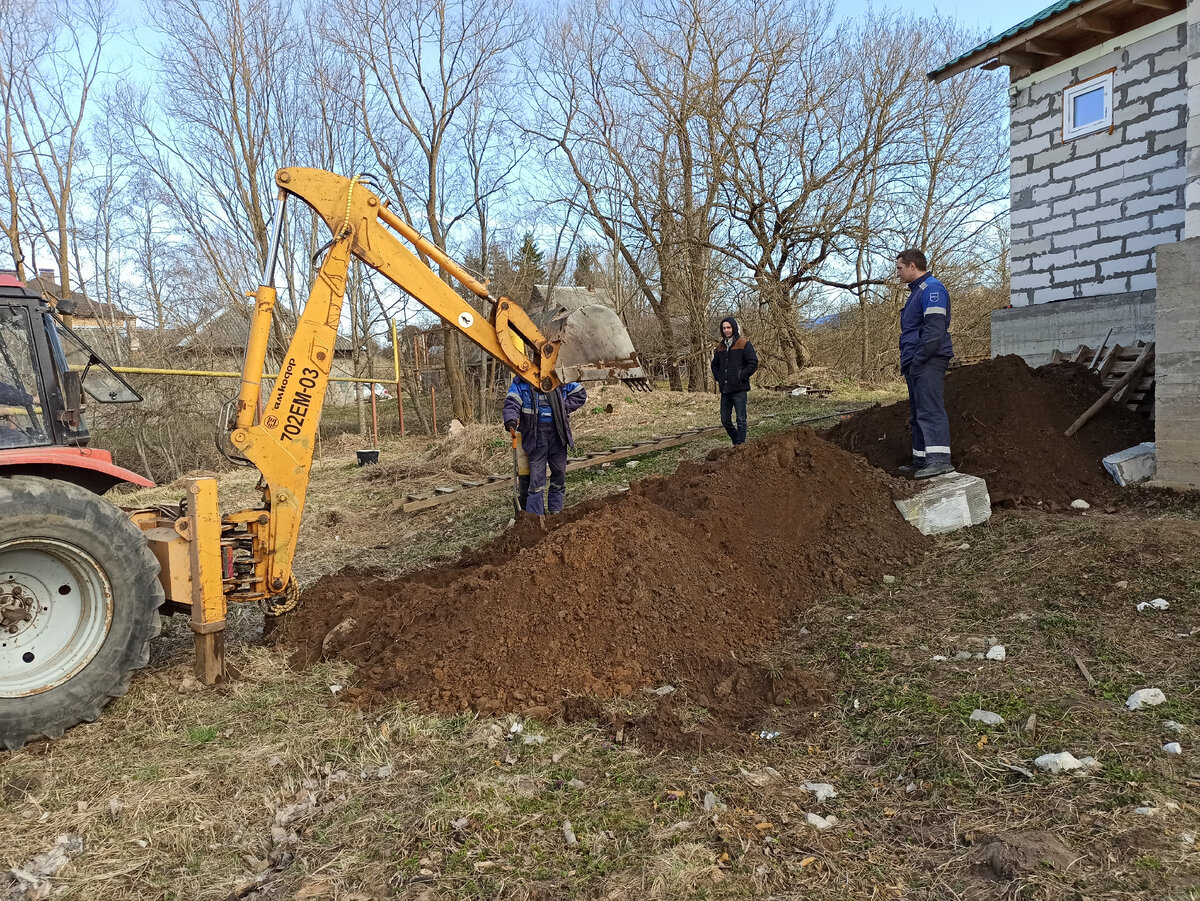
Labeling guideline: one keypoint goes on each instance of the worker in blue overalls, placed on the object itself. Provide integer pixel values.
(925, 352)
(544, 423)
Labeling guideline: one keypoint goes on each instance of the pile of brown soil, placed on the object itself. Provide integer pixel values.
(671, 581)
(1006, 426)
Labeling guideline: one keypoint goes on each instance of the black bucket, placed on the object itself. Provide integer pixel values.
(367, 457)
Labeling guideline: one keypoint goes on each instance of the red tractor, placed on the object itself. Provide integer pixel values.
(79, 589)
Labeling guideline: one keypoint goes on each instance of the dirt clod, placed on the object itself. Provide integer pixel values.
(1006, 426)
(682, 579)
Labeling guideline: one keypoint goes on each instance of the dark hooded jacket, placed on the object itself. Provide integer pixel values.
(732, 366)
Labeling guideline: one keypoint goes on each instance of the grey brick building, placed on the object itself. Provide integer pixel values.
(1105, 182)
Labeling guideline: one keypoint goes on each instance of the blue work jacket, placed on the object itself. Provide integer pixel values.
(925, 323)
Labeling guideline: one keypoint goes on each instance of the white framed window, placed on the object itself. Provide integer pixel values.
(1088, 106)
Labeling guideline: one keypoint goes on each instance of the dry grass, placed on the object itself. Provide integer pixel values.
(269, 784)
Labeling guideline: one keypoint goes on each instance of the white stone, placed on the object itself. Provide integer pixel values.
(997, 652)
(632, 464)
(987, 717)
(888, 580)
(947, 503)
(1145, 811)
(1146, 697)
(823, 790)
(938, 658)
(1063, 762)
(820, 822)
(1156, 604)
(1172, 726)
(1173, 747)
(1133, 465)
(1080, 504)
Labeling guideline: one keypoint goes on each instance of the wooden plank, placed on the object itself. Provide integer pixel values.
(1146, 358)
(1080, 352)
(1110, 360)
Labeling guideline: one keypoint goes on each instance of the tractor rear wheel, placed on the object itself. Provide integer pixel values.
(79, 599)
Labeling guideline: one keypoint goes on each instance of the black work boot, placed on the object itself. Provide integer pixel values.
(929, 470)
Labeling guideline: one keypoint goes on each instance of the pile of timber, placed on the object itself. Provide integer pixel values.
(1113, 364)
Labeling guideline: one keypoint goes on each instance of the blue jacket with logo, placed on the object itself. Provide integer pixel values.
(925, 323)
(525, 408)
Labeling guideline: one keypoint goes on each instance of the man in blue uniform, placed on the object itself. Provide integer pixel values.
(545, 426)
(925, 352)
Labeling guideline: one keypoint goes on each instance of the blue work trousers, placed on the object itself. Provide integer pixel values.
(730, 404)
(927, 412)
(549, 453)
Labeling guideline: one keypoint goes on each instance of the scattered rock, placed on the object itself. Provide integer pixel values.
(987, 717)
(456, 428)
(821, 823)
(664, 690)
(577, 784)
(963, 655)
(1145, 811)
(1019, 770)
(1122, 585)
(1063, 762)
(1187, 838)
(1172, 726)
(1146, 697)
(31, 880)
(997, 652)
(1031, 724)
(1156, 604)
(938, 658)
(569, 833)
(1080, 504)
(889, 580)
(632, 464)
(823, 790)
(1173, 747)
(711, 802)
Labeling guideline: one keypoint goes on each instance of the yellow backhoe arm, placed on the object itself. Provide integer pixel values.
(282, 444)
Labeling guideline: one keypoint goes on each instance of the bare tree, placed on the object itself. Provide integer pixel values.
(428, 70)
(46, 81)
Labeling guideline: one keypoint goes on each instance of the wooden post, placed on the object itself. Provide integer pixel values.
(396, 375)
(433, 401)
(1135, 370)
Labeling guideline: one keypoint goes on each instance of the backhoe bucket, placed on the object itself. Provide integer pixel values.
(595, 346)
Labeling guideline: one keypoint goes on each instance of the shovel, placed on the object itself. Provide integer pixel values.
(516, 473)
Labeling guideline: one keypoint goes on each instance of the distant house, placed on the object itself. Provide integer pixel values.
(218, 343)
(90, 316)
(1104, 149)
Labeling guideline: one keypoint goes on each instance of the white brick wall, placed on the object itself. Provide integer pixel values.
(1087, 214)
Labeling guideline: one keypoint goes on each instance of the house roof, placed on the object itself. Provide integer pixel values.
(228, 330)
(1058, 32)
(85, 307)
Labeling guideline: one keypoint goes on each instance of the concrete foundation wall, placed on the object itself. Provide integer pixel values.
(1087, 213)
(1177, 364)
(1035, 332)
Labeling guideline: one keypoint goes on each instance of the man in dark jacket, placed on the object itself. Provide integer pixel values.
(545, 426)
(733, 362)
(925, 352)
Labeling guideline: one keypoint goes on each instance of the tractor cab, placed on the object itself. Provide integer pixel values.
(45, 372)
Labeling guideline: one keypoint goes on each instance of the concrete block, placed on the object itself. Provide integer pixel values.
(1169, 80)
(1082, 237)
(1143, 242)
(1118, 227)
(1171, 219)
(1072, 274)
(1152, 204)
(1174, 139)
(1128, 467)
(1138, 262)
(1174, 177)
(1072, 203)
(1075, 167)
(1148, 165)
(1122, 154)
(1141, 281)
(948, 503)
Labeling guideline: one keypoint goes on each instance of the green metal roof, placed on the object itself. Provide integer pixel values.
(1048, 12)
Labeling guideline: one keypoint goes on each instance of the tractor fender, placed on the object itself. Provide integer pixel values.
(87, 467)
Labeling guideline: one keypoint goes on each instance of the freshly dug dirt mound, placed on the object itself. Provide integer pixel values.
(1006, 426)
(670, 581)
